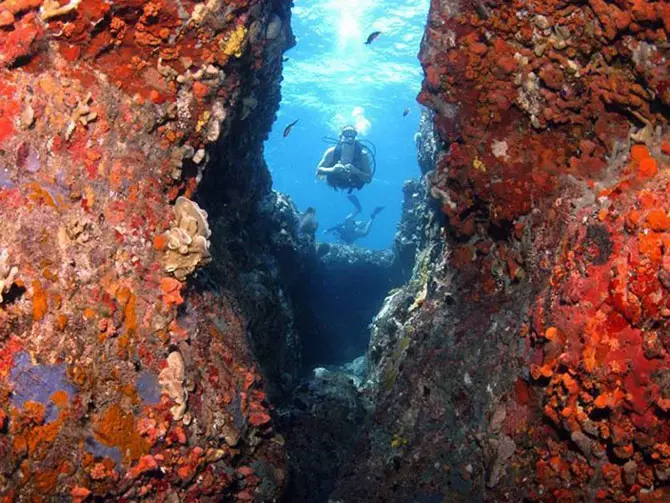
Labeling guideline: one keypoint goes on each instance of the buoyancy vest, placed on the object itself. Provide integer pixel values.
(358, 154)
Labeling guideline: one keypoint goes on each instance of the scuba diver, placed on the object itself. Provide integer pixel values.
(351, 229)
(347, 164)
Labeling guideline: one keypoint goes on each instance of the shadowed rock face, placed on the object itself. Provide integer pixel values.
(321, 426)
(527, 358)
(121, 376)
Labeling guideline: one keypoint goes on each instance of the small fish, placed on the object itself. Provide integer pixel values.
(288, 128)
(284, 59)
(405, 112)
(372, 37)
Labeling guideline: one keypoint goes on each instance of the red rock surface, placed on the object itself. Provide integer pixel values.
(533, 364)
(556, 172)
(115, 380)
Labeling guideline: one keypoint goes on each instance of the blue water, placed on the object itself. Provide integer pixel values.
(331, 79)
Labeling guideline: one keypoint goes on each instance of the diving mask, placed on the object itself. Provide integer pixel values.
(349, 133)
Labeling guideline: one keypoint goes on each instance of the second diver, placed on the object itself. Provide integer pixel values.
(351, 229)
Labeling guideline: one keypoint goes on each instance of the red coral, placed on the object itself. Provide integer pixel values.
(20, 42)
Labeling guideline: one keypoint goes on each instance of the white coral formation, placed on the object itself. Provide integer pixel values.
(499, 149)
(53, 8)
(7, 273)
(187, 240)
(171, 379)
(202, 10)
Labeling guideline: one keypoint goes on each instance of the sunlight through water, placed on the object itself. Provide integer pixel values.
(331, 79)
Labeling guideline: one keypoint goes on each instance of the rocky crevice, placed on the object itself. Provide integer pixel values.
(532, 366)
(159, 315)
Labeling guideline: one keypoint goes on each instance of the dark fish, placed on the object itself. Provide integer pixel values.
(285, 59)
(405, 112)
(308, 223)
(372, 37)
(288, 128)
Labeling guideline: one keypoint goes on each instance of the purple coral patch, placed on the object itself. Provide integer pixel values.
(148, 388)
(5, 181)
(37, 383)
(102, 451)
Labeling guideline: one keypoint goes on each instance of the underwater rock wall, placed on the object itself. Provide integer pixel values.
(120, 377)
(320, 427)
(532, 364)
(306, 304)
(271, 263)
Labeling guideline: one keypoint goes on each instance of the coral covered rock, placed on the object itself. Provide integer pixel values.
(118, 379)
(532, 366)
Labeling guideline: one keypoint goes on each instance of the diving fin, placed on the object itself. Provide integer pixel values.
(376, 212)
(354, 200)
